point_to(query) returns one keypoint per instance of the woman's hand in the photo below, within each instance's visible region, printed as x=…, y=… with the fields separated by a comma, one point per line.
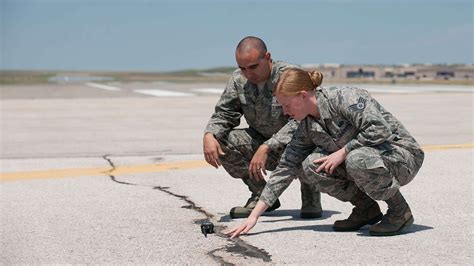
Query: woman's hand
x=248, y=224
x=330, y=162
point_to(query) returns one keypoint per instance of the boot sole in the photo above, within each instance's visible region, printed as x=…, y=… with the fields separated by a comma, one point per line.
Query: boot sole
x=407, y=224
x=311, y=215
x=372, y=221
x=235, y=215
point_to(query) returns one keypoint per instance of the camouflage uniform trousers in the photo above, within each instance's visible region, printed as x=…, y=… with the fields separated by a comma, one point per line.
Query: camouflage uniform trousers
x=379, y=171
x=239, y=147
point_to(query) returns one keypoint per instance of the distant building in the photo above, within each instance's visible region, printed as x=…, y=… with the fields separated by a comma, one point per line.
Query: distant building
x=397, y=72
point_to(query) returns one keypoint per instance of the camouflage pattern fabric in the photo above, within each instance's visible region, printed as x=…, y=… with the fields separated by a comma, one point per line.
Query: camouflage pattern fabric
x=260, y=109
x=382, y=154
x=239, y=148
x=267, y=124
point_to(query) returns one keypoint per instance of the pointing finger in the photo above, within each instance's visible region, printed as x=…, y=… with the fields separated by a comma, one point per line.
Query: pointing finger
x=321, y=167
x=322, y=159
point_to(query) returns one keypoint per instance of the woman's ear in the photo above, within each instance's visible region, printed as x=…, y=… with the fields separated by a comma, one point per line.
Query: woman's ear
x=304, y=94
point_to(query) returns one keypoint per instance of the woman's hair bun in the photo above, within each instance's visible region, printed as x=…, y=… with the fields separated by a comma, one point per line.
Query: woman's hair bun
x=316, y=78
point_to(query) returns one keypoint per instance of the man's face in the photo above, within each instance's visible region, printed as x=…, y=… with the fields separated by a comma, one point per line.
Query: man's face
x=255, y=67
x=293, y=106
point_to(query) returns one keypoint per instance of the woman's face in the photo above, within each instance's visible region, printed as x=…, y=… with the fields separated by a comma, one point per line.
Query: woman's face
x=294, y=106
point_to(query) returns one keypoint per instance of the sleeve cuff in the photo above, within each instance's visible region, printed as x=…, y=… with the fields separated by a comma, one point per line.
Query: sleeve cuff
x=274, y=145
x=352, y=145
x=268, y=197
x=217, y=133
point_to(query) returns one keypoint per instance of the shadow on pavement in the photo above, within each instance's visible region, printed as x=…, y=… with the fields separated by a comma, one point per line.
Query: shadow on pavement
x=295, y=215
x=413, y=229
x=328, y=228
x=315, y=227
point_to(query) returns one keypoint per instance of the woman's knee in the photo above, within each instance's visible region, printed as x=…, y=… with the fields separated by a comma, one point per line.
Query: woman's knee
x=309, y=165
x=309, y=169
x=363, y=159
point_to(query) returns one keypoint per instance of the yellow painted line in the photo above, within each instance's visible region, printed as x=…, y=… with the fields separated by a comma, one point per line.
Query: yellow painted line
x=101, y=171
x=54, y=173
x=447, y=147
x=147, y=168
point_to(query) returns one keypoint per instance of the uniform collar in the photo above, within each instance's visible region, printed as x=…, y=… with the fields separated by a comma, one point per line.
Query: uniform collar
x=323, y=104
x=275, y=75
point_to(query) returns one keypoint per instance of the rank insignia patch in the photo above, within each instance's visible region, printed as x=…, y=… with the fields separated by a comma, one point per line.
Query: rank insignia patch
x=359, y=106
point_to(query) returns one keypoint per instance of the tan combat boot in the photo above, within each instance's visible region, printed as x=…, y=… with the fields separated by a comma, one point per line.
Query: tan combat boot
x=256, y=187
x=310, y=202
x=244, y=212
x=397, y=219
x=366, y=211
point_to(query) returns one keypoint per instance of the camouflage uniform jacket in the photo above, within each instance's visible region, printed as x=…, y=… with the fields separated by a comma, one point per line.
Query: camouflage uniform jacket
x=260, y=109
x=352, y=119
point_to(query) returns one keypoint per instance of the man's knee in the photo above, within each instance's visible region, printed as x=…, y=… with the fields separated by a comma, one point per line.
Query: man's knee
x=236, y=172
x=237, y=146
x=234, y=138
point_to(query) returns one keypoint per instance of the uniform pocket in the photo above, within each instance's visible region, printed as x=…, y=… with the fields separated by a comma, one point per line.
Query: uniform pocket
x=401, y=164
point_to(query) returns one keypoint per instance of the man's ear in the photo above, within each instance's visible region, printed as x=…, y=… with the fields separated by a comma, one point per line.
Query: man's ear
x=268, y=56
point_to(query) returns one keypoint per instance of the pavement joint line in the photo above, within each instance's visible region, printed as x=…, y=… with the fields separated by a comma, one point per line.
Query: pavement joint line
x=146, y=168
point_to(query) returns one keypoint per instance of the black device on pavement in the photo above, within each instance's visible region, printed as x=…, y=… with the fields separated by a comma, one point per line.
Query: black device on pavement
x=207, y=228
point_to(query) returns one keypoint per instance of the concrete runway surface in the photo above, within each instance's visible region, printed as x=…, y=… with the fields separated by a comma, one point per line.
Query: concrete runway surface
x=115, y=174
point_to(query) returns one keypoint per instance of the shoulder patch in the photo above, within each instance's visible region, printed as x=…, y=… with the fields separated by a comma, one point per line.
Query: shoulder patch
x=359, y=106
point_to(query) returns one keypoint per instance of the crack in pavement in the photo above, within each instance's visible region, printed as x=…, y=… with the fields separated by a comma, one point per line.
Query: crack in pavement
x=112, y=169
x=236, y=245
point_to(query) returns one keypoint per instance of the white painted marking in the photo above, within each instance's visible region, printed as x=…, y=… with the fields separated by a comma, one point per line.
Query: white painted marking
x=102, y=86
x=163, y=93
x=209, y=90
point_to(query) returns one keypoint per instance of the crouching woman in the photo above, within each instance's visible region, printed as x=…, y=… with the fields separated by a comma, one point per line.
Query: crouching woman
x=351, y=147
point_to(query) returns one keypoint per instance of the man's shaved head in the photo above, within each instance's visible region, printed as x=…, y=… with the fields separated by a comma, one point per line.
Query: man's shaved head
x=251, y=43
x=254, y=61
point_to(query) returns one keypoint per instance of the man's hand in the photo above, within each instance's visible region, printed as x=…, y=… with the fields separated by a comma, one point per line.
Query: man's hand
x=212, y=150
x=257, y=164
x=330, y=162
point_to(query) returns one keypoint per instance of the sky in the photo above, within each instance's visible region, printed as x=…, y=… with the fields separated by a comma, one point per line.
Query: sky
x=167, y=35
